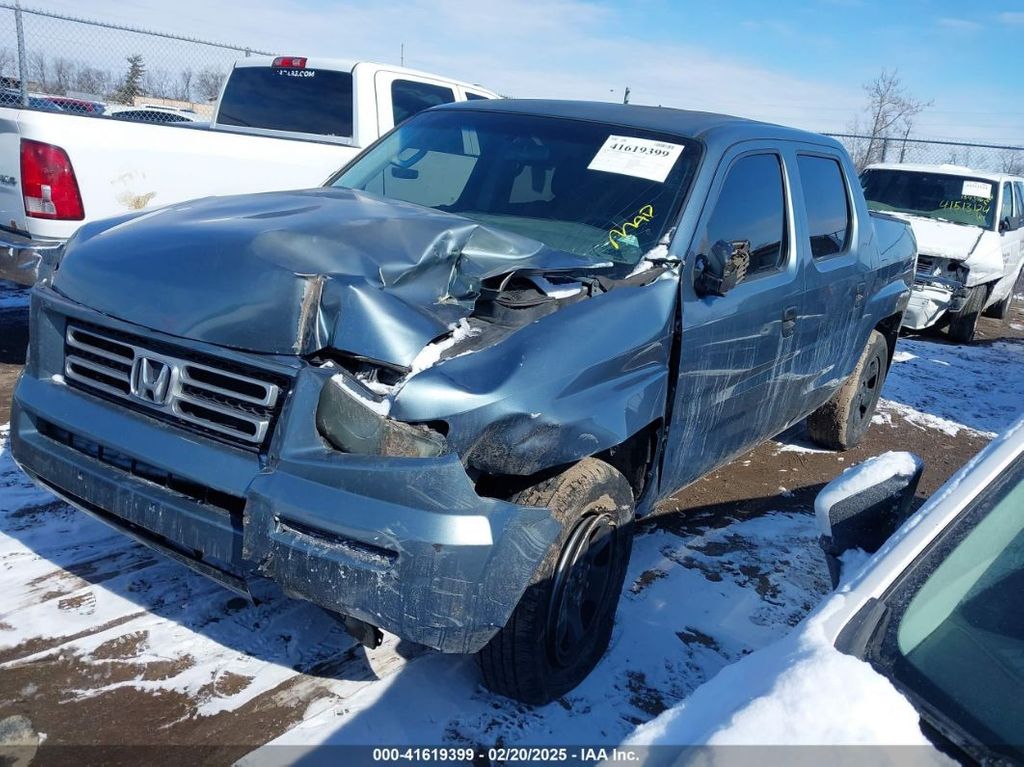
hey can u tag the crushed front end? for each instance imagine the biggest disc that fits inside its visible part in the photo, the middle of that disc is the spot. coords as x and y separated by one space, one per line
226 472
940 287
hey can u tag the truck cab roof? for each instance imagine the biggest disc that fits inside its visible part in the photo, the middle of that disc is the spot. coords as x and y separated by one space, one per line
709 127
349 65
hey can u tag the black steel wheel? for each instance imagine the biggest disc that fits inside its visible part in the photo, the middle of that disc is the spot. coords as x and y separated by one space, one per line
562 624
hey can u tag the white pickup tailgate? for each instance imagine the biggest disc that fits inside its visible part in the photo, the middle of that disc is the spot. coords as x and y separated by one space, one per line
123 166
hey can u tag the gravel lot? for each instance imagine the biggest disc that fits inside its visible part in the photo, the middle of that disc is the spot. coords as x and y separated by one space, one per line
102 642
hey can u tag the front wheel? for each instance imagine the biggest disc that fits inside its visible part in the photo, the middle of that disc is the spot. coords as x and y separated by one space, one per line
561 626
842 422
964 323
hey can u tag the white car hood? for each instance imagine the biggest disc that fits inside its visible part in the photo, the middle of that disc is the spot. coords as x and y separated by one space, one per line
942 239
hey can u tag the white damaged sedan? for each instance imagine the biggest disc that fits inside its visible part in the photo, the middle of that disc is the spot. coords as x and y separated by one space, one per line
969 227
922 643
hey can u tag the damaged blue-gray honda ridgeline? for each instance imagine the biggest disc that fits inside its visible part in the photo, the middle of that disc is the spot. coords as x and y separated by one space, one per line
432 395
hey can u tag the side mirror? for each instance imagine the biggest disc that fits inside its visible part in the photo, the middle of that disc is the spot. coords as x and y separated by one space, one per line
863 506
723 268
407 173
1004 225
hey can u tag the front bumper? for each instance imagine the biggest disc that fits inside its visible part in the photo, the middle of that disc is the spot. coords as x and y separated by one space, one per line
26 261
929 301
403 544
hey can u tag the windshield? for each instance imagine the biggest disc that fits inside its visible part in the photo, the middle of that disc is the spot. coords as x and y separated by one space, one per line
958 199
317 101
959 644
595 190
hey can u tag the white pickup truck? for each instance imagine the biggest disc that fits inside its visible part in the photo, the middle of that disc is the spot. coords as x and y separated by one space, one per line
280 123
969 227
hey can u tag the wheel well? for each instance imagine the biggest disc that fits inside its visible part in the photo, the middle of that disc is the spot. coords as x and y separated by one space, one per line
634 458
890 330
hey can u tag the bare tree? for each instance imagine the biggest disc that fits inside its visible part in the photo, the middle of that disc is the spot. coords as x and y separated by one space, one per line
888 119
63 75
7 65
93 81
158 83
184 92
208 84
37 70
1012 162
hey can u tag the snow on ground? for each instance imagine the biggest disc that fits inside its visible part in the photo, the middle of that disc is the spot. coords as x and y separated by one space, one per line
12 296
691 606
945 386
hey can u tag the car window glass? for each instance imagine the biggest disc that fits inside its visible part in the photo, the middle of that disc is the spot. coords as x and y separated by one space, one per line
409 97
961 639
1006 212
960 199
750 210
826 203
470 96
301 100
534 176
1018 190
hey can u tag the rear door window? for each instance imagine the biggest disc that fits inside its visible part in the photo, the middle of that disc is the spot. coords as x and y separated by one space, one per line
750 212
315 101
826 203
410 96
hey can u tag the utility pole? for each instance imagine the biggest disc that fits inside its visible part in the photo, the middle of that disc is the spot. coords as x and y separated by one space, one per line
22 57
625 96
402 57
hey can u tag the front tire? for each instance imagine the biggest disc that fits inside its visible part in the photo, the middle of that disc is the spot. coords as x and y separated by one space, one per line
561 626
842 422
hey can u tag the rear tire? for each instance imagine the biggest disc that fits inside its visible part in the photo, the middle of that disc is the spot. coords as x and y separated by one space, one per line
1001 310
963 325
842 422
561 626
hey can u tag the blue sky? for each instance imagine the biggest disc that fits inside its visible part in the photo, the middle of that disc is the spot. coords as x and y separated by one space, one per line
801 63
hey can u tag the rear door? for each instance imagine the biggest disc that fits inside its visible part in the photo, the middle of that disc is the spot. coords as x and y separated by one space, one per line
401 95
736 355
830 335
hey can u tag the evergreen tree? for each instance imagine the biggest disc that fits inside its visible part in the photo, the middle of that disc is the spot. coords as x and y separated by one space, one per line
131 86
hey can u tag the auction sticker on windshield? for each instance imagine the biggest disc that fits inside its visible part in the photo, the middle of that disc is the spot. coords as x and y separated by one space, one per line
977 189
640 157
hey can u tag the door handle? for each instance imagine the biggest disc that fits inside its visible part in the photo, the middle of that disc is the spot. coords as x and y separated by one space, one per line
858 295
788 321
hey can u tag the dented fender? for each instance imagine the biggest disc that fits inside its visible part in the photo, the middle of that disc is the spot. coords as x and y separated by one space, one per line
545 395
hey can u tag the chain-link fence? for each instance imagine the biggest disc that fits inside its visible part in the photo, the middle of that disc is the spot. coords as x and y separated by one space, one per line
60 63
866 150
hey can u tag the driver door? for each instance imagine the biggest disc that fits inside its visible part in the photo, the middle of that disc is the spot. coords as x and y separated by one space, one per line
737 350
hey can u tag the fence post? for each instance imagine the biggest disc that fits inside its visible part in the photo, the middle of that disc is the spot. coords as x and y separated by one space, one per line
22 57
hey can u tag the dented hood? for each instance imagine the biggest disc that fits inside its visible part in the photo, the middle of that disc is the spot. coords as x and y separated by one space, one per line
295 272
942 239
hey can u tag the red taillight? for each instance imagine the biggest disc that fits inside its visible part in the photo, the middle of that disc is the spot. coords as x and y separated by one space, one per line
48 183
290 62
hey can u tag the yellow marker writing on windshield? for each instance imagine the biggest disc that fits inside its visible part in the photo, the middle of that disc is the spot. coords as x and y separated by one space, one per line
645 214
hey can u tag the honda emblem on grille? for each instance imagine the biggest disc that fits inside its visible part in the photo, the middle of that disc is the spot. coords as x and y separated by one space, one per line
151 380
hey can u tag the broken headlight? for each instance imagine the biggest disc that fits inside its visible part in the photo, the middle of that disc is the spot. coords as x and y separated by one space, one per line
354 422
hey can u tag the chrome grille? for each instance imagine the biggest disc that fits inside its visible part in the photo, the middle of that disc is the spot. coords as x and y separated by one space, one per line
205 397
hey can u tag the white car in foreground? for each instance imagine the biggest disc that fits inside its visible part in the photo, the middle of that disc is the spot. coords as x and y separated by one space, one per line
922 644
969 227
